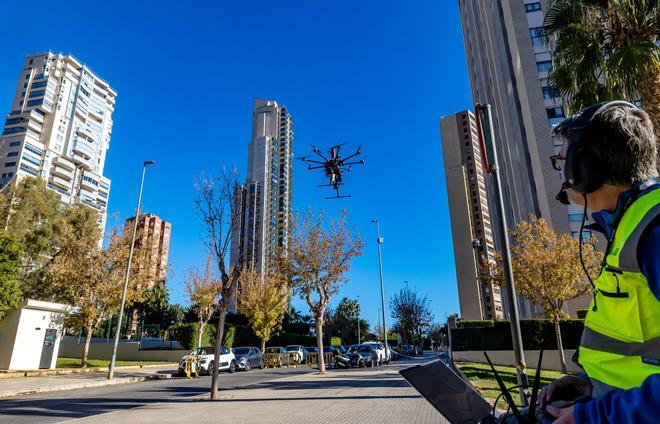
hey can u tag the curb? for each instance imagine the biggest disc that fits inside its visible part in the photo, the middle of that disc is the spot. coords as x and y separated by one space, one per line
67 371
87 385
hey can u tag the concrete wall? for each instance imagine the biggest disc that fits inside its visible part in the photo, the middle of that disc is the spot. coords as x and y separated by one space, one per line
505 357
127 351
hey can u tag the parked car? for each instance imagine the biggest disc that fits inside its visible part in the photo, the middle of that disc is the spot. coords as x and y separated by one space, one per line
227 360
311 349
248 357
300 350
366 353
342 349
380 350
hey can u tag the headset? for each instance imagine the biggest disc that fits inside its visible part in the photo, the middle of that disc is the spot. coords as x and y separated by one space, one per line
582 171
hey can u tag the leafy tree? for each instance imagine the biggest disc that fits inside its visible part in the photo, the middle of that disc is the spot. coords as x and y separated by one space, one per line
204 291
10 262
34 215
317 263
411 313
264 300
344 320
89 278
607 50
547 269
217 208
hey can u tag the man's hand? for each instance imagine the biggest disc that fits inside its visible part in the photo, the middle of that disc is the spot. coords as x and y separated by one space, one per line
571 385
563 415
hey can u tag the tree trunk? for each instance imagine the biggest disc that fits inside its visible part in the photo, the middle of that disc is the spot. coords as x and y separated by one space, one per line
560 348
88 340
216 357
319 344
649 93
263 345
200 332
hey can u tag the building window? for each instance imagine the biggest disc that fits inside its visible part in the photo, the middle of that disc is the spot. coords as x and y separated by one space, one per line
539 37
550 93
532 7
14 143
12 154
10 164
555 112
544 66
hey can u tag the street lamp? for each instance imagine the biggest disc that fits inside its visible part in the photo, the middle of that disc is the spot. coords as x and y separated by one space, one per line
358 318
111 369
380 240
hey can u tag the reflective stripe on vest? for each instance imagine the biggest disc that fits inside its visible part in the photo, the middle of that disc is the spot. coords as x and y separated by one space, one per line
620 344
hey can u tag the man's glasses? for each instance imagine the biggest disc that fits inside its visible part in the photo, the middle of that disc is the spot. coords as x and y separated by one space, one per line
558 162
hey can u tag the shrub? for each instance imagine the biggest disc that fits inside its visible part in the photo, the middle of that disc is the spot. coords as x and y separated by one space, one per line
536 333
476 323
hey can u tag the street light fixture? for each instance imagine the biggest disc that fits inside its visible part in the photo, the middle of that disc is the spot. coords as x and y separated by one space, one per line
358 318
111 368
380 240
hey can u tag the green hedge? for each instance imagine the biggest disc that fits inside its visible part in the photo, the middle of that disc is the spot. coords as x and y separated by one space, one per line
536 333
476 323
186 334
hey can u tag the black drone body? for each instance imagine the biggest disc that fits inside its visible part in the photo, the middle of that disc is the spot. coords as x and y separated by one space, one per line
334 166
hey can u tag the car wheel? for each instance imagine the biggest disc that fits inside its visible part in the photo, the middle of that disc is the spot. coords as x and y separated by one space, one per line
232 367
373 363
247 366
261 364
210 369
361 364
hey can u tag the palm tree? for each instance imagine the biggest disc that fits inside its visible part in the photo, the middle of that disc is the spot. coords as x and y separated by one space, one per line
606 50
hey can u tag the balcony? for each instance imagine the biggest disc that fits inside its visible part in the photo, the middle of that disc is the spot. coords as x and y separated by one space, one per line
63 173
83 148
60 182
86 184
64 163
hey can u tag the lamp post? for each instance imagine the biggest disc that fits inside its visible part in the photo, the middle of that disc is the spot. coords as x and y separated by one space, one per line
380 240
111 368
358 319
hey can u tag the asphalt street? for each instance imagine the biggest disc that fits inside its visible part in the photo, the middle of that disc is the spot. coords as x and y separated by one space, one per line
62 406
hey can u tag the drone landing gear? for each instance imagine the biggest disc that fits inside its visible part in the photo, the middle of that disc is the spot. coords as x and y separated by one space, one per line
339 197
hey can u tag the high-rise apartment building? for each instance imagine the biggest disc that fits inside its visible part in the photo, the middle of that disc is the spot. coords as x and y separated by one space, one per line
153 234
509 58
264 201
472 233
59 129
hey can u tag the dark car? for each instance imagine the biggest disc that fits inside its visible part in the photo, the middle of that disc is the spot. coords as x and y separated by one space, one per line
312 349
365 353
248 357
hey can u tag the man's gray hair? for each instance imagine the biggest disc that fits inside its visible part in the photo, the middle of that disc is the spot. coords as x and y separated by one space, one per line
622 141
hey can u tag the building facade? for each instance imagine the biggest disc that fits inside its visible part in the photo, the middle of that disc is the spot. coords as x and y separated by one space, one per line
263 204
472 233
509 58
59 129
153 234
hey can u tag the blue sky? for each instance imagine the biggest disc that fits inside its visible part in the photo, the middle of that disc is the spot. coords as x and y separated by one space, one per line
375 73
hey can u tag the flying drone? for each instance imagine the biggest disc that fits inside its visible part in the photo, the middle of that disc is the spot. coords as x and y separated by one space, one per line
334 166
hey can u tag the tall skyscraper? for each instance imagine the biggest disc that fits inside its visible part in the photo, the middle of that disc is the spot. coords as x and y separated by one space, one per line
265 199
469 212
59 129
509 58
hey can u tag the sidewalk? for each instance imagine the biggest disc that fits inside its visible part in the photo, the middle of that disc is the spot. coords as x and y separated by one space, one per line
11 387
362 396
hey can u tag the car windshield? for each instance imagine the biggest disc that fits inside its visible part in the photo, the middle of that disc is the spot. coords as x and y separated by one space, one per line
364 349
292 348
312 349
273 349
206 350
241 350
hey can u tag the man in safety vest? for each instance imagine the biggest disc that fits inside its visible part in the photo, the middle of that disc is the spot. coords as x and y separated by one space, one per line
608 163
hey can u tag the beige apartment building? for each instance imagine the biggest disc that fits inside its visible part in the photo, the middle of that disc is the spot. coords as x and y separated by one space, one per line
59 129
470 216
509 59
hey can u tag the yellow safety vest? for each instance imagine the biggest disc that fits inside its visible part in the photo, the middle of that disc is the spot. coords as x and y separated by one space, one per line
620 345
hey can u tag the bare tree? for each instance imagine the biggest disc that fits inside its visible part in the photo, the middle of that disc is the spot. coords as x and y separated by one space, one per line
318 261
204 291
219 212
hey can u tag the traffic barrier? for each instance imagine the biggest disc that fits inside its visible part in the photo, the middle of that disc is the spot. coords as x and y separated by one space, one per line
292 359
313 359
272 360
192 365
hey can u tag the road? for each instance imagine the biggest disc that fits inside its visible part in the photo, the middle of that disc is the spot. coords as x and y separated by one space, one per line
63 406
